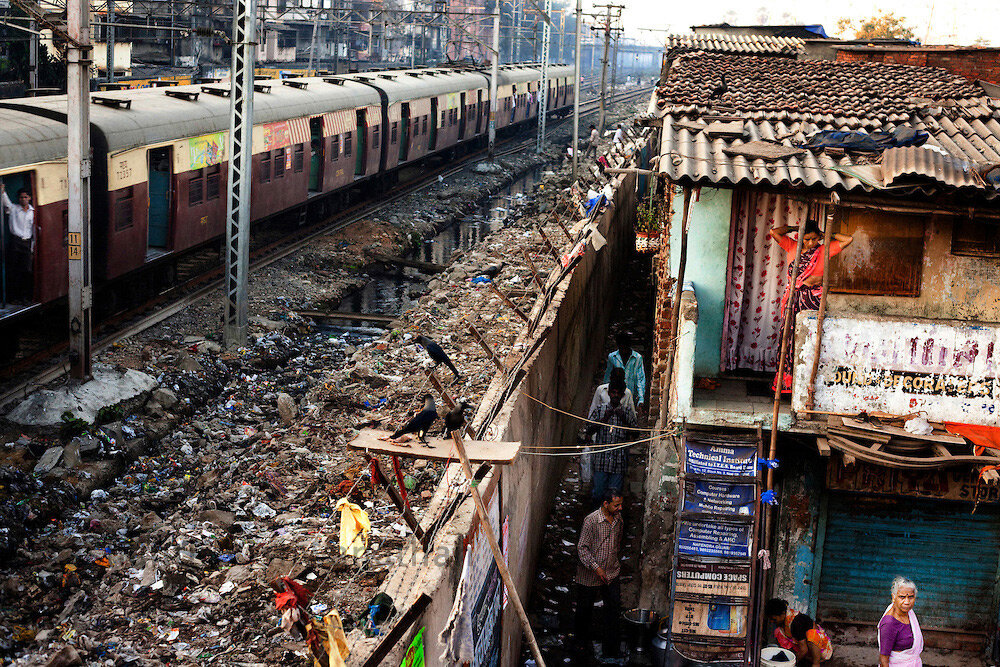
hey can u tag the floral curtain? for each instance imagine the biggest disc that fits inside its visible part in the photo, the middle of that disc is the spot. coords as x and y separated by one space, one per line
757 275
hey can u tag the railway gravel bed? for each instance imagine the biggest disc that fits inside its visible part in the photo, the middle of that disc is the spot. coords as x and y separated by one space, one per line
154 537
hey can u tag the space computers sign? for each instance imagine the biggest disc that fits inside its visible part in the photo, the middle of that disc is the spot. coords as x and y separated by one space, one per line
485 587
948 370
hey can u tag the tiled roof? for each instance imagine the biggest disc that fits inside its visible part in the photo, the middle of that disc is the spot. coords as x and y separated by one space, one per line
736 44
784 101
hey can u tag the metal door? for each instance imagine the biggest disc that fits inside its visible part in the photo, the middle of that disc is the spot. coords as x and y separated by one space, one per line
434 123
950 553
404 135
361 150
158 220
461 117
316 154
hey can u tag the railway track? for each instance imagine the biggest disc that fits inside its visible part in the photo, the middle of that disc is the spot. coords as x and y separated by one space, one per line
177 298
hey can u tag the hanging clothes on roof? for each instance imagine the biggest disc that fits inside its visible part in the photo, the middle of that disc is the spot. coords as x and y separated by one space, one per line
864 142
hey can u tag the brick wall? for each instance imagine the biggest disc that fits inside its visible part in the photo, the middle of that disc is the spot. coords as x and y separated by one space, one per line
661 309
980 63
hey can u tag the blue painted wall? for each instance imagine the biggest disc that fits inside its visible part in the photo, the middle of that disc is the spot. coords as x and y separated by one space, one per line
708 253
797 555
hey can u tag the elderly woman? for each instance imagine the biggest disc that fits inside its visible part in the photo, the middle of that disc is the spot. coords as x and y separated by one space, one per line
899 639
808 284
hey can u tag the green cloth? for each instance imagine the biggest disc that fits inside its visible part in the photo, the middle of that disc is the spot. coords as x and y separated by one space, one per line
415 654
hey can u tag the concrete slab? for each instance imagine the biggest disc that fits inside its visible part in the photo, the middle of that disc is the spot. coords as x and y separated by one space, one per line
45 407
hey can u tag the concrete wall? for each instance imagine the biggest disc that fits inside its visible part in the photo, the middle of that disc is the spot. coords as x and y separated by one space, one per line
953 287
708 256
559 373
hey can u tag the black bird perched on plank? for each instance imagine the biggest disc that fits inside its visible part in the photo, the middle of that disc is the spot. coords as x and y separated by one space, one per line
455 420
421 422
720 90
437 355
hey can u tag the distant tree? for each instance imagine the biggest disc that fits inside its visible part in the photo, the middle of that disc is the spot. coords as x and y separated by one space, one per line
731 17
762 15
884 25
981 41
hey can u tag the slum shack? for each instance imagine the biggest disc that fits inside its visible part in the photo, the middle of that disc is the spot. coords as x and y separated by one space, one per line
874 189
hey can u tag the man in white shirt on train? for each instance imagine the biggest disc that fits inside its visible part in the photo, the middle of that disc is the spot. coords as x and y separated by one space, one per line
19 260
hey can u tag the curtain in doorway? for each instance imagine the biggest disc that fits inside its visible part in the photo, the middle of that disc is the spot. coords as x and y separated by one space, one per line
757 275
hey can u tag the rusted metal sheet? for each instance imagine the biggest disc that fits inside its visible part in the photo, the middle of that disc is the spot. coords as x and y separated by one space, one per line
901 165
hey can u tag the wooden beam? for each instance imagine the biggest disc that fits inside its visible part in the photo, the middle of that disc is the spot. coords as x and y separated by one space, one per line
446 397
375 441
339 315
617 170
534 271
481 339
549 245
823 446
510 304
392 637
408 516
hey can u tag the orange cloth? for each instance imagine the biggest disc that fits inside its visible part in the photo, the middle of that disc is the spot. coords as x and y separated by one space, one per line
981 436
816 267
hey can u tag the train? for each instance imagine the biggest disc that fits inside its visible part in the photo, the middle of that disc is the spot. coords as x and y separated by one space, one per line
159 164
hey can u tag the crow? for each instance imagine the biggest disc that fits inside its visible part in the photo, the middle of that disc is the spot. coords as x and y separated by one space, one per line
455 420
720 90
492 271
421 422
437 355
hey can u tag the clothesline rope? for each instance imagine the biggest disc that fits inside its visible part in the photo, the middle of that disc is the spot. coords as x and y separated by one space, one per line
584 419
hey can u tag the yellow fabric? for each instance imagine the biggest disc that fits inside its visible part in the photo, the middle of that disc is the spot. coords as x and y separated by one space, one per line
334 640
354 521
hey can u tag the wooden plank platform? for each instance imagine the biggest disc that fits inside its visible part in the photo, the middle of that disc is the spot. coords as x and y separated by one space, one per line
439 449
894 431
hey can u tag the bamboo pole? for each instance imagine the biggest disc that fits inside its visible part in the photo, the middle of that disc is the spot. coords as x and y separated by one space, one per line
811 389
675 316
779 382
484 524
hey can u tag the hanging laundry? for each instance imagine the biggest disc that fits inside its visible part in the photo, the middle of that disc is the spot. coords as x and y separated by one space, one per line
457 633
415 653
981 436
327 638
355 527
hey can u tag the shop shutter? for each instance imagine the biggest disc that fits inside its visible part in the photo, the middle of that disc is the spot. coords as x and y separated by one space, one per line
951 554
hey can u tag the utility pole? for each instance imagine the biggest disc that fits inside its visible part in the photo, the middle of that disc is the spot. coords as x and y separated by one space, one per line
109 33
614 63
494 75
604 69
543 90
33 55
78 61
312 42
240 171
515 29
576 88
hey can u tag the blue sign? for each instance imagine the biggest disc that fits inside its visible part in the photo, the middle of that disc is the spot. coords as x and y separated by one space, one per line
719 498
723 540
720 459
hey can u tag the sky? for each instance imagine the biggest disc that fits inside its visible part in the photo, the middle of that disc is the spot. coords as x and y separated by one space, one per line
933 21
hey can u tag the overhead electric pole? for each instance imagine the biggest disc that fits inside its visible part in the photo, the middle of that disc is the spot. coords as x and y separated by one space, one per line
33 55
109 33
604 70
494 75
312 43
78 61
543 90
576 88
240 172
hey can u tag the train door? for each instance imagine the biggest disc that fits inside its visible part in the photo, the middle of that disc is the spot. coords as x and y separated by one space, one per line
316 154
461 119
479 111
11 284
434 123
404 137
361 150
158 221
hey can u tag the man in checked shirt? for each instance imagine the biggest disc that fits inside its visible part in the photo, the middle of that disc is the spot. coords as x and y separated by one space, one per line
597 574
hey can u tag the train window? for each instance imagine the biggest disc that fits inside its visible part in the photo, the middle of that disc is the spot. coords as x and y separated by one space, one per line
442 119
196 188
279 163
299 161
347 143
123 210
375 141
425 124
265 167
213 175
394 130
416 127
335 147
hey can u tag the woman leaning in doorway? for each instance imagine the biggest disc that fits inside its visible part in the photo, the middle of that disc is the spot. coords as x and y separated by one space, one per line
810 277
899 639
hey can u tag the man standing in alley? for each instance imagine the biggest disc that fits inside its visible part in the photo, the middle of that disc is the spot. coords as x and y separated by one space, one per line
597 574
608 428
630 360
21 223
595 140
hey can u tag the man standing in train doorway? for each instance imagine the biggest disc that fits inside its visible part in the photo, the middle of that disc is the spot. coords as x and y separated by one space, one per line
20 244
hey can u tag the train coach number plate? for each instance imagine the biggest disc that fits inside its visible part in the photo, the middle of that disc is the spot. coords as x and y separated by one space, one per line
75 244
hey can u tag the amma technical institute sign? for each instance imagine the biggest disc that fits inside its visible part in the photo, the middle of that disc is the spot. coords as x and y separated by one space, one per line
948 370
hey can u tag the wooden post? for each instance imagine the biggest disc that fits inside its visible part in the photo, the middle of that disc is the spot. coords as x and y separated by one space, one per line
484 522
678 288
548 244
510 304
780 381
534 271
486 346
408 517
446 398
811 389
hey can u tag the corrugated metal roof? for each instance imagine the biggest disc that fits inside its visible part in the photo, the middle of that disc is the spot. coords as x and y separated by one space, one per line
962 121
28 139
738 44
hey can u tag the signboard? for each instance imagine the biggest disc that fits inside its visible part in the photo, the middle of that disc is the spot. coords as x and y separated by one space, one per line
712 538
485 588
727 652
710 458
714 497
950 484
712 579
207 150
949 370
276 135
709 619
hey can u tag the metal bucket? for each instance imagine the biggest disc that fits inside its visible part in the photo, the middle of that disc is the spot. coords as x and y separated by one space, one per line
639 624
